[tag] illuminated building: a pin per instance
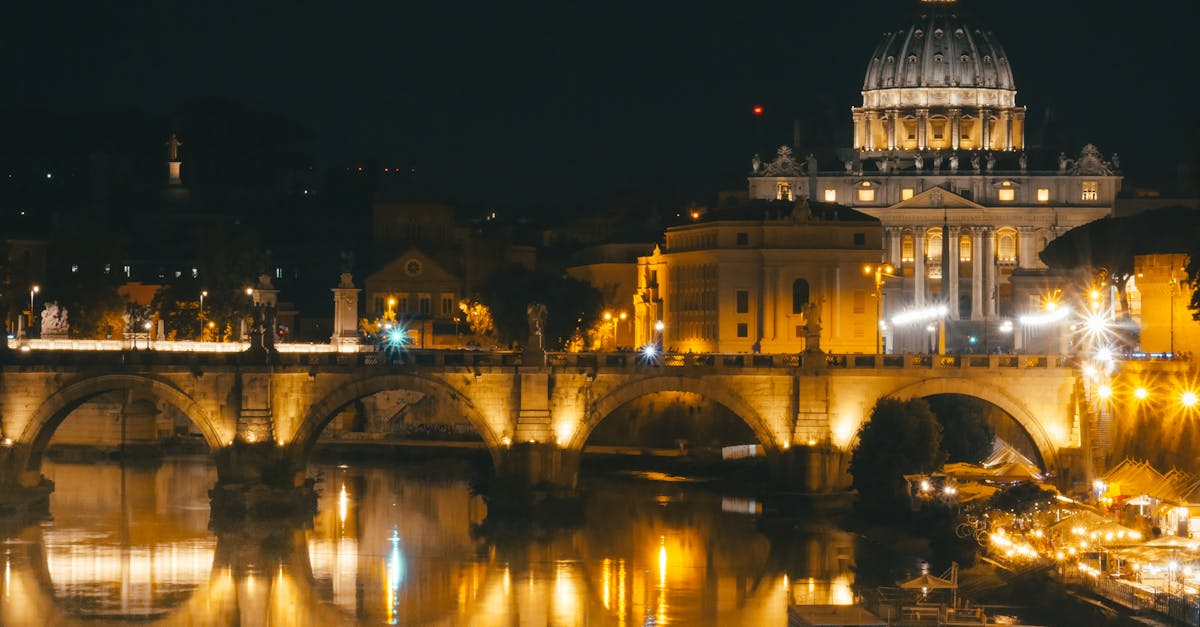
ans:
(938, 156)
(1161, 283)
(748, 279)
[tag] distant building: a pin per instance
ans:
(1163, 294)
(752, 279)
(938, 156)
(612, 269)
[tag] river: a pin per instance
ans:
(410, 545)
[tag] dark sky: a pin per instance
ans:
(580, 100)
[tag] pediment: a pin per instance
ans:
(412, 265)
(937, 198)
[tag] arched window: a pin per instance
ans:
(799, 295)
(964, 248)
(933, 245)
(1006, 246)
(906, 249)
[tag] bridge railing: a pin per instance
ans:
(948, 361)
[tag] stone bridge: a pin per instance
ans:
(259, 410)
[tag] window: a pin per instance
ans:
(195, 272)
(74, 268)
(906, 193)
(178, 274)
(423, 303)
(1006, 246)
(860, 239)
(964, 248)
(743, 301)
(783, 191)
(743, 239)
(1006, 194)
(447, 305)
(1043, 194)
(127, 272)
(107, 269)
(866, 195)
(800, 292)
(860, 301)
(933, 250)
(743, 329)
(831, 195)
(1091, 190)
(906, 249)
(278, 273)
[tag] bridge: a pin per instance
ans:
(261, 414)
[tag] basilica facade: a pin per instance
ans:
(938, 157)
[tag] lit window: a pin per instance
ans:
(107, 268)
(1006, 194)
(906, 193)
(127, 272)
(178, 273)
(279, 273)
(866, 195)
(831, 195)
(964, 248)
(933, 249)
(1091, 190)
(1043, 194)
(74, 268)
(906, 249)
(1006, 246)
(783, 191)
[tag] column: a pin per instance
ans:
(989, 258)
(977, 261)
(922, 123)
(891, 129)
(985, 129)
(869, 125)
(952, 281)
(1018, 134)
(1008, 130)
(955, 127)
(919, 266)
(893, 256)
(859, 118)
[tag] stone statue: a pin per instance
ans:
(173, 145)
(812, 327)
(882, 164)
(1023, 162)
(849, 163)
(54, 321)
(755, 164)
(536, 313)
(937, 162)
(1116, 162)
(919, 162)
(954, 162)
(1063, 163)
(346, 281)
(810, 163)
(975, 162)
(991, 162)
(347, 260)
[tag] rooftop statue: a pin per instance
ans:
(173, 145)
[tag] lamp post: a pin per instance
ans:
(32, 291)
(203, 293)
(1172, 285)
(620, 316)
(658, 329)
(880, 271)
(608, 323)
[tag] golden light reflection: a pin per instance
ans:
(605, 576)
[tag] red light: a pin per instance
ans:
(758, 110)
(360, 168)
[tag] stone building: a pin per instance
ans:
(938, 156)
(753, 278)
(1163, 294)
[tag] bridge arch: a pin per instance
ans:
(985, 392)
(710, 389)
(54, 410)
(324, 411)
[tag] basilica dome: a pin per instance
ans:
(942, 49)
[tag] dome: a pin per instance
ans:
(941, 50)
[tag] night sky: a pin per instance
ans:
(572, 103)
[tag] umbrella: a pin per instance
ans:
(928, 582)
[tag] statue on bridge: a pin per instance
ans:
(54, 321)
(812, 327)
(536, 313)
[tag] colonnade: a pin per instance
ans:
(993, 129)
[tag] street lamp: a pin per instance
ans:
(658, 328)
(32, 291)
(880, 271)
(608, 320)
(203, 293)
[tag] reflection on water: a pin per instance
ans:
(404, 546)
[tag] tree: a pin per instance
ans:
(1112, 243)
(901, 437)
(967, 436)
(228, 260)
(571, 305)
(84, 280)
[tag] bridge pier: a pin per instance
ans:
(813, 468)
(23, 492)
(530, 474)
(262, 480)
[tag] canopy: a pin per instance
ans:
(928, 582)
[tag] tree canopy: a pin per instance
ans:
(571, 305)
(967, 436)
(901, 437)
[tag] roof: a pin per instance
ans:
(941, 48)
(779, 210)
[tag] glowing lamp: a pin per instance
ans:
(758, 110)
(1104, 392)
(649, 351)
(1189, 399)
(1141, 393)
